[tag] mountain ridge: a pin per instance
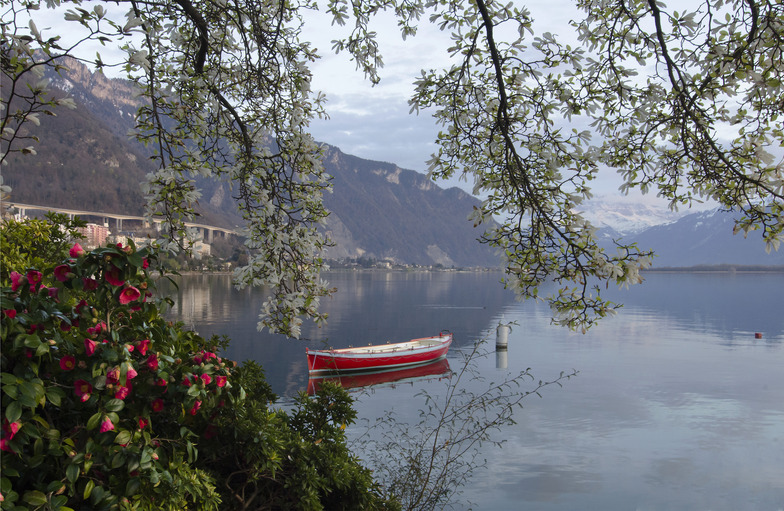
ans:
(378, 210)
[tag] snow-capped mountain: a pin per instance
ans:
(628, 214)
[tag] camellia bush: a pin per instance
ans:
(108, 405)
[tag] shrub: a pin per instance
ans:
(106, 404)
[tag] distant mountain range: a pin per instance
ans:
(679, 239)
(378, 210)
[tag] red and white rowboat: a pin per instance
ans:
(386, 356)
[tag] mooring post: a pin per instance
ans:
(502, 336)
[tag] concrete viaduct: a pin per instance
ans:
(208, 231)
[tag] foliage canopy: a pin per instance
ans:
(683, 102)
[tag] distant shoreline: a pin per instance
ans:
(718, 268)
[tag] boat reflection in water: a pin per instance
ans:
(353, 380)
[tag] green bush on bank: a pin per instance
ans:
(108, 405)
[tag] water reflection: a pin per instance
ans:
(676, 405)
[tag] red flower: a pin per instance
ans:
(67, 363)
(90, 284)
(82, 389)
(143, 423)
(143, 346)
(17, 279)
(53, 293)
(122, 393)
(157, 405)
(34, 277)
(4, 445)
(113, 276)
(195, 407)
(11, 428)
(206, 378)
(145, 263)
(161, 382)
(63, 273)
(152, 362)
(10, 313)
(106, 425)
(220, 381)
(89, 347)
(129, 294)
(76, 251)
(131, 373)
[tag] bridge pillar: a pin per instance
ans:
(119, 224)
(208, 235)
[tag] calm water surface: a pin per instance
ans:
(676, 406)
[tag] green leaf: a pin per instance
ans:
(72, 472)
(123, 437)
(88, 489)
(115, 405)
(55, 395)
(93, 421)
(34, 498)
(13, 412)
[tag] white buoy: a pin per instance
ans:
(502, 336)
(501, 358)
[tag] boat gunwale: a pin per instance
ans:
(415, 345)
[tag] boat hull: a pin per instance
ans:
(405, 354)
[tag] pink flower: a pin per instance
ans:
(145, 263)
(131, 373)
(161, 382)
(143, 346)
(11, 428)
(152, 362)
(157, 405)
(129, 294)
(113, 376)
(206, 378)
(10, 313)
(53, 291)
(122, 393)
(89, 347)
(34, 278)
(82, 389)
(67, 363)
(63, 272)
(220, 381)
(4, 445)
(113, 276)
(195, 407)
(76, 251)
(106, 425)
(143, 423)
(16, 280)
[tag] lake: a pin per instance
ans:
(677, 404)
